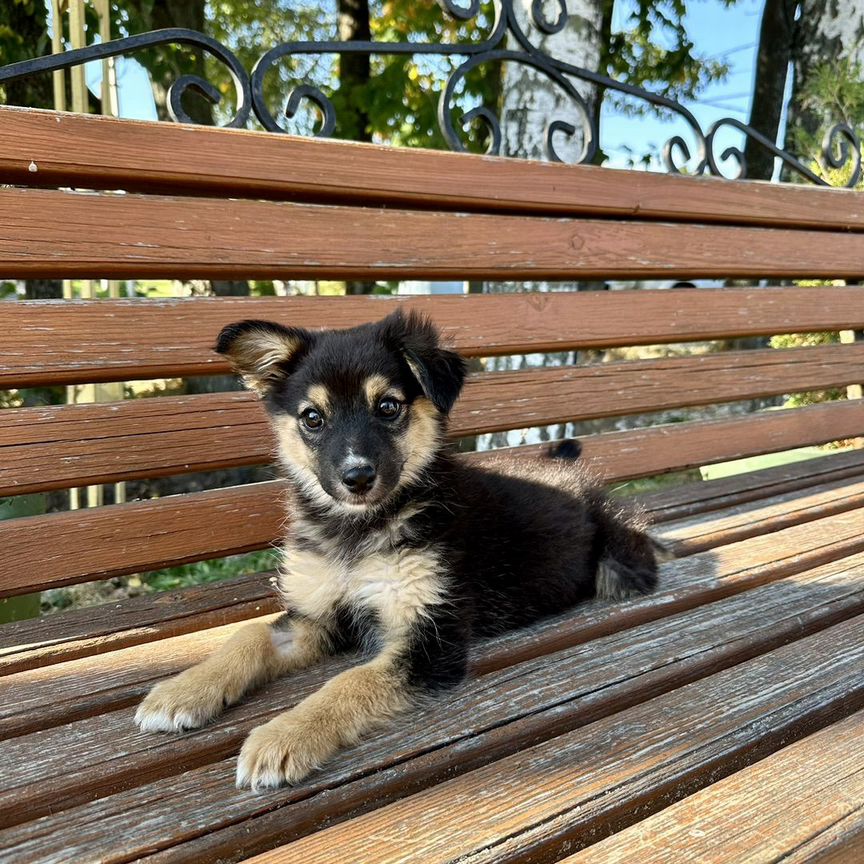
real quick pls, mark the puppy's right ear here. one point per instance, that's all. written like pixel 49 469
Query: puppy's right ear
pixel 263 353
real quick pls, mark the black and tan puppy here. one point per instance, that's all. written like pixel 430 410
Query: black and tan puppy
pixel 394 547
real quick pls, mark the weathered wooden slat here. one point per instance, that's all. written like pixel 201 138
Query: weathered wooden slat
pixel 481 722
pixel 33 643
pixel 81 341
pixel 61 694
pixel 691 499
pixel 804 803
pixel 144 535
pixel 79 633
pixel 53 696
pixel 123 154
pixel 676 446
pixel 227 521
pixel 562 794
pixel 59 233
pixel 705 531
pixel 77 445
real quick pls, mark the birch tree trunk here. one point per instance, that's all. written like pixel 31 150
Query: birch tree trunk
pixel 827 31
pixel 530 101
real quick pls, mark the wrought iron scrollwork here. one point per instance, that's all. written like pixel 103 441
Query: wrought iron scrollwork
pixel 507 41
pixel 155 38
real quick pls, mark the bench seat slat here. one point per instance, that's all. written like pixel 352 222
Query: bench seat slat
pixel 84 632
pixel 690 499
pixel 119 539
pixel 102 153
pixel 543 697
pixel 63 234
pixel 95 685
pixel 804 803
pixel 707 530
pixel 49 342
pixel 64 446
pixel 565 792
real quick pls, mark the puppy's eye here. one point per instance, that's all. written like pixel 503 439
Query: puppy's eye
pixel 312 419
pixel 389 408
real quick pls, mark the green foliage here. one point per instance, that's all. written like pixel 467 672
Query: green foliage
pixel 834 92
pixel 204 572
pixel 806 340
pixel 656 52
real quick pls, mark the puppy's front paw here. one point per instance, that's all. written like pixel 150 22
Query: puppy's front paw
pixel 188 701
pixel 285 750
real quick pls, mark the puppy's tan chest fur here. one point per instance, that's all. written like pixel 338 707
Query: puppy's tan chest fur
pixel 396 584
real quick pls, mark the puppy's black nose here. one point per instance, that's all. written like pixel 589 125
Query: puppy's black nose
pixel 359 479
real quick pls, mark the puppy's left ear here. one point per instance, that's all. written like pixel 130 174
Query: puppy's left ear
pixel 263 353
pixel 440 373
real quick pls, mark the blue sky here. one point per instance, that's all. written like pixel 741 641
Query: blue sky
pixel 728 34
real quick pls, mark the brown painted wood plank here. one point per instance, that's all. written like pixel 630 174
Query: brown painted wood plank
pixel 72 150
pixel 659 449
pixel 144 535
pixel 705 531
pixel 691 499
pixel 564 793
pixel 54 696
pixel 30 644
pixel 84 632
pixel 59 233
pixel 482 721
pixel 79 633
pixel 61 694
pixel 75 445
pixel 116 540
pixel 804 803
pixel 80 341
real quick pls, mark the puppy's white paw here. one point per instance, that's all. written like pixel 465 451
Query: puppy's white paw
pixel 283 751
pixel 188 701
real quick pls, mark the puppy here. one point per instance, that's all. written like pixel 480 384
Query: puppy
pixel 394 548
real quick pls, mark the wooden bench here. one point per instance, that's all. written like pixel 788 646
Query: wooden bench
pixel 746 665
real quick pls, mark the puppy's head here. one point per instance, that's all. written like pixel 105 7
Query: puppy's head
pixel 358 413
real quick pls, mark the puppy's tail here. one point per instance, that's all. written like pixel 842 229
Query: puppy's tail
pixel 569 448
pixel 627 556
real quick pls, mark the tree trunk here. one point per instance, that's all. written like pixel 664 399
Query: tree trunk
pixel 23 36
pixel 155 15
pixel 827 32
pixel 354 73
pixel 775 52
pixel 530 101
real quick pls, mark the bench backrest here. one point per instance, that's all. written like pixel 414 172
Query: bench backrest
pixel 209 203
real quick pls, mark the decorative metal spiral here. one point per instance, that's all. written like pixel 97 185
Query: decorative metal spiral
pixel 131 44
pixel 507 42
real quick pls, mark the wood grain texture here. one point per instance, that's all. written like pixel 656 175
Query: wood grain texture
pixel 676 446
pixel 97 152
pixel 53 696
pixel 76 445
pixel 55 233
pixel 705 531
pixel 564 793
pixel 128 538
pixel 691 499
pixel 30 644
pixel 119 539
pixel 804 803
pixel 81 341
pixel 38 642
pixel 133 621
pixel 480 722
